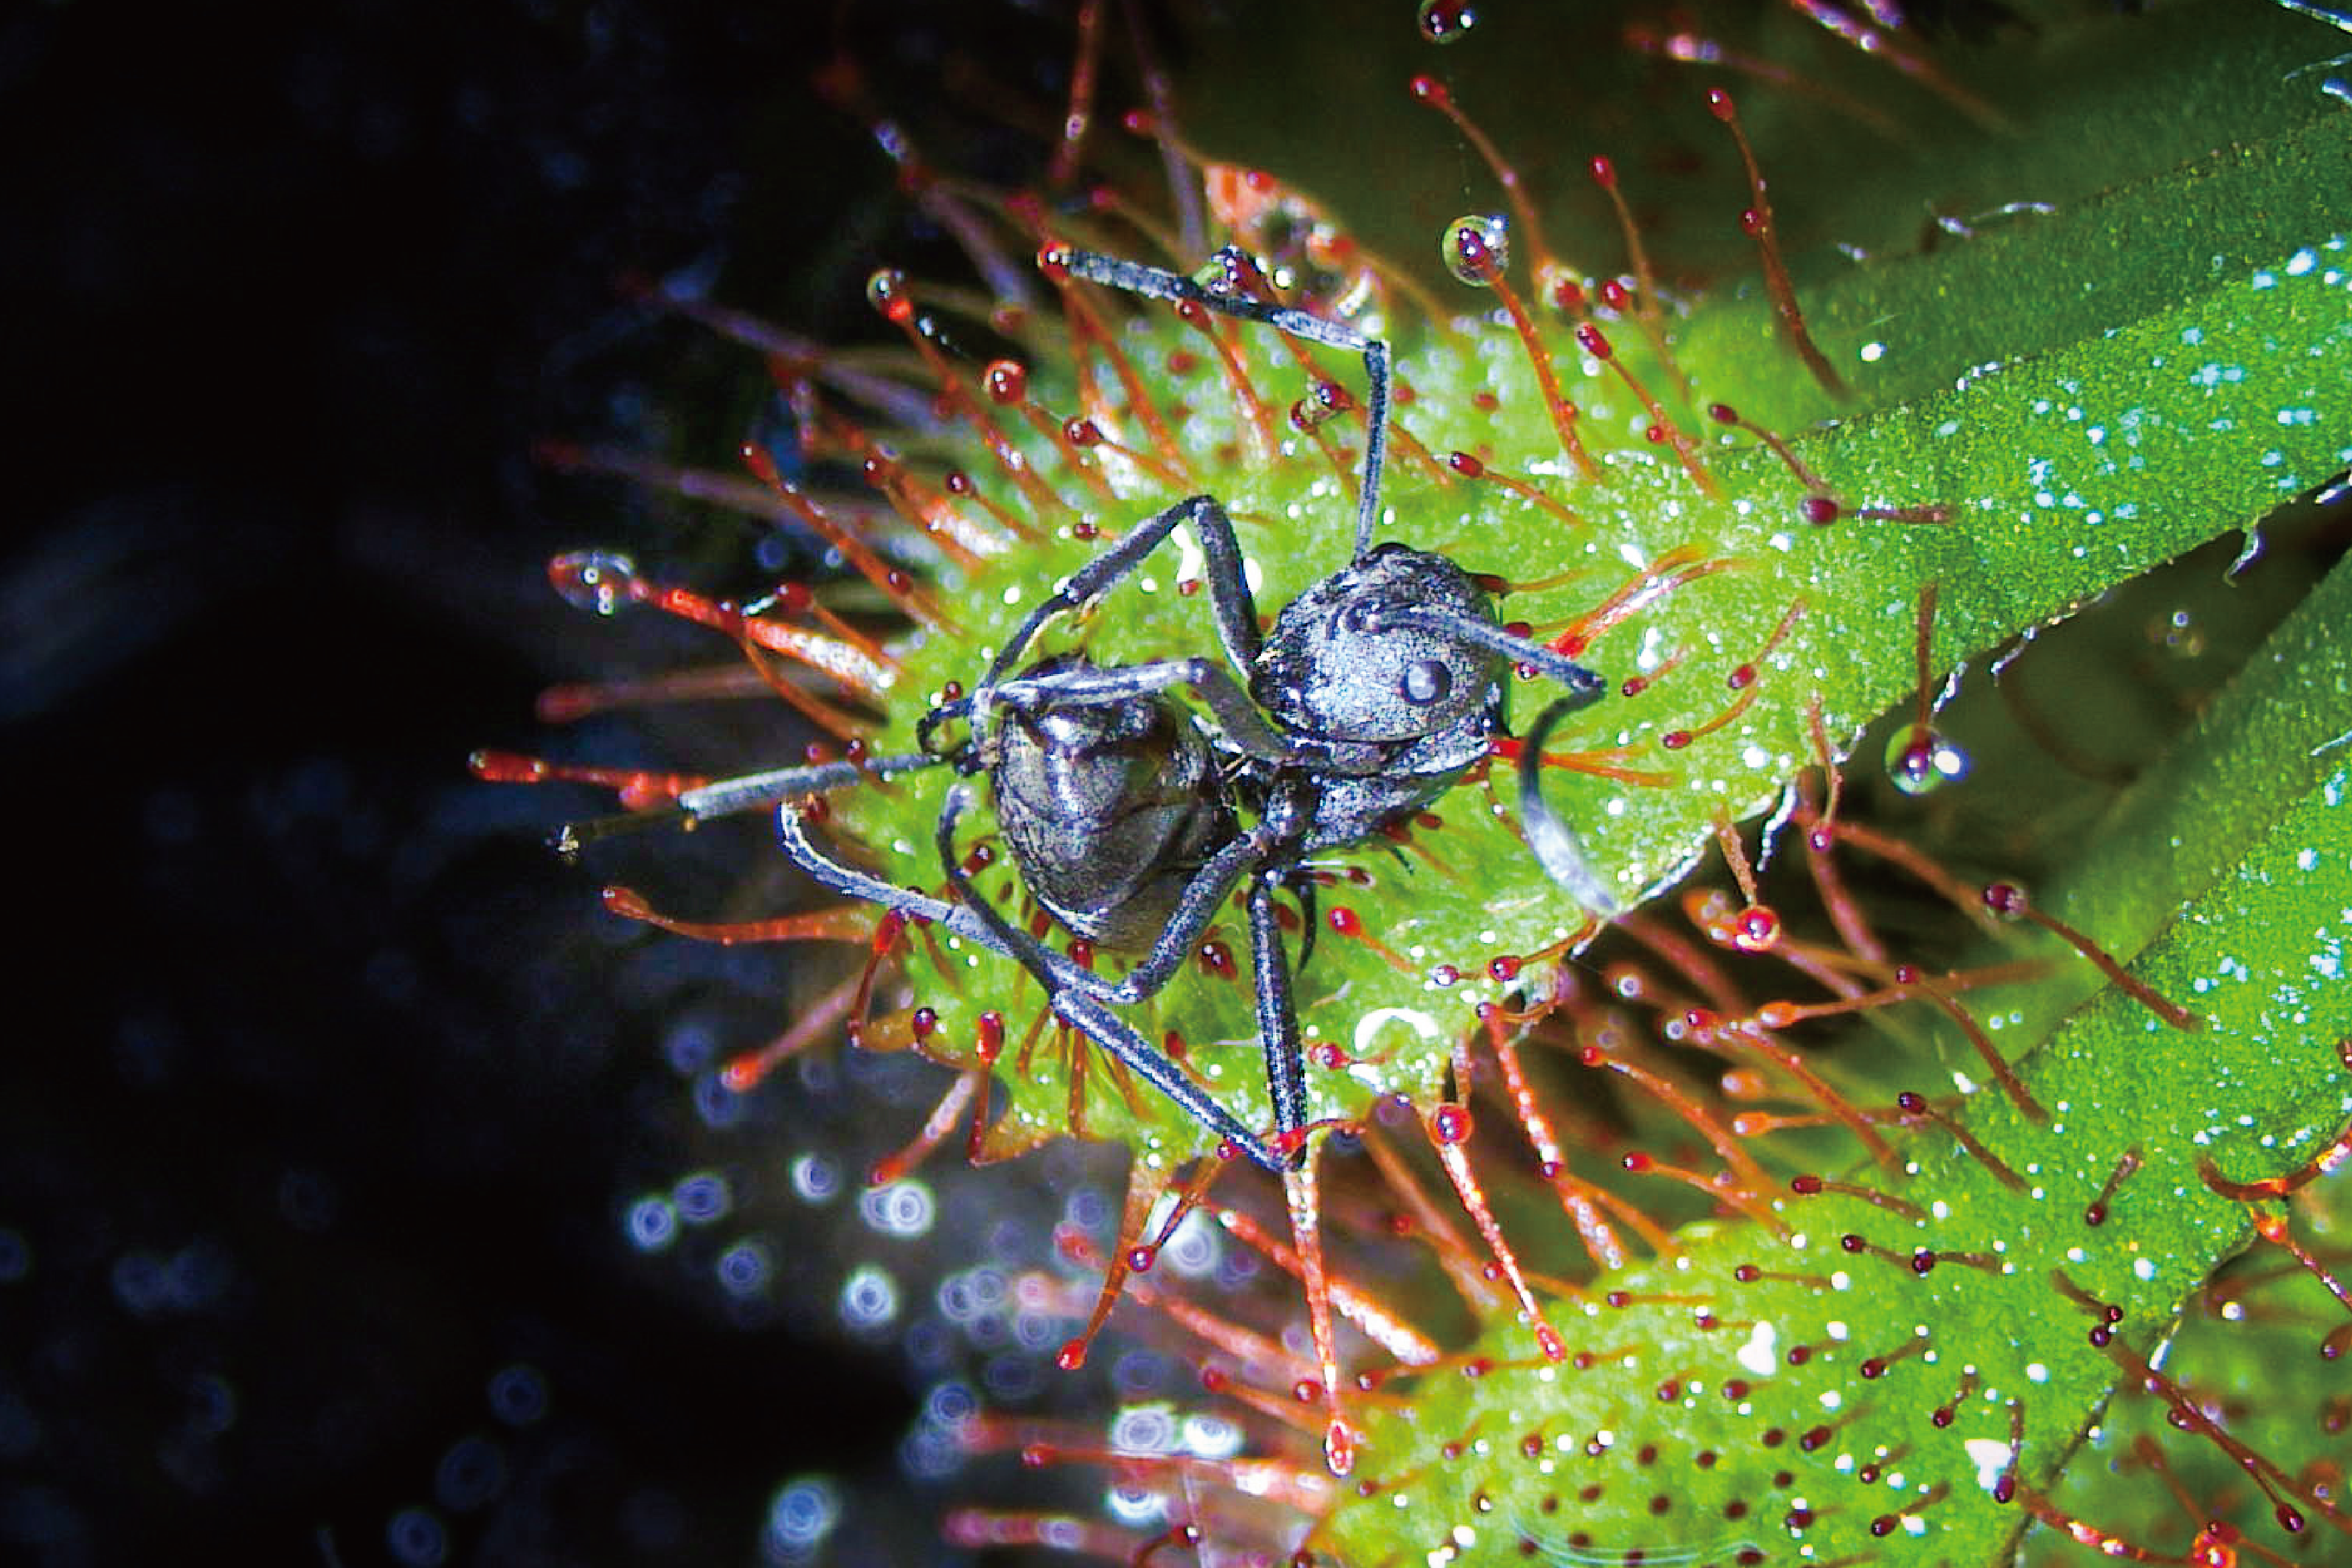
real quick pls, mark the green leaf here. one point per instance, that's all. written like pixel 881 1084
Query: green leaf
pixel 1989 1331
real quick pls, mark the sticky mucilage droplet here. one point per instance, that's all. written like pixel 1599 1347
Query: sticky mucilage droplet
pixel 1920 760
pixel 1476 248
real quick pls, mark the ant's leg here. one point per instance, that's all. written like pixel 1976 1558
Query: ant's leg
pixel 1084 583
pixel 1554 846
pixel 928 725
pixel 976 920
pixel 1195 906
pixel 1158 283
pixel 1204 895
pixel 1083 1001
pixel 1277 1013
pixel 1279 829
pixel 1072 1002
pixel 1302 888
pixel 791 833
pixel 1056 972
pixel 1093 1018
pixel 1237 717
pixel 1236 613
pixel 1230 604
pixel 1107 687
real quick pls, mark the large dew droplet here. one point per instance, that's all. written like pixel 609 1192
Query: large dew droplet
pixel 1445 21
pixel 597 581
pixel 1921 761
pixel 1476 248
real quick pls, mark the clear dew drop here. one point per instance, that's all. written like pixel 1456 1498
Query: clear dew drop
pixel 1476 248
pixel 1920 760
pixel 596 581
pixel 1445 21
pixel 2178 633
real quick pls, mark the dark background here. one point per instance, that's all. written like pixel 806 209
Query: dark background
pixel 330 1096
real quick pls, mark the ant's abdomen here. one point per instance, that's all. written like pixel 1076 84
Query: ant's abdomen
pixel 1108 811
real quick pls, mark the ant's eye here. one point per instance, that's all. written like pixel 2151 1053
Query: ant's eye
pixel 1427 680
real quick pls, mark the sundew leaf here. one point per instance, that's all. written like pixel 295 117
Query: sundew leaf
pixel 1873 1384
pixel 2060 474
pixel 2264 173
pixel 2285 719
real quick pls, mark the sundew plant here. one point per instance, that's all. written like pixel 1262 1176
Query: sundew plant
pixel 1904 1139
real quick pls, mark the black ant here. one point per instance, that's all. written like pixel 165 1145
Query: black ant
pixel 1375 690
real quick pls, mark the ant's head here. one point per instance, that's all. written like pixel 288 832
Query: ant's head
pixel 1378 651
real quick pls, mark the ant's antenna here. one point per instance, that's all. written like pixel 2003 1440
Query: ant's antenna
pixel 1583 685
pixel 1555 846
pixel 1158 283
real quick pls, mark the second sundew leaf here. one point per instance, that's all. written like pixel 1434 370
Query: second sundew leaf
pixel 1909 326
pixel 1878 1387
pixel 2284 720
